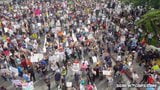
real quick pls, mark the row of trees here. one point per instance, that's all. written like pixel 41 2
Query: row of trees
pixel 150 21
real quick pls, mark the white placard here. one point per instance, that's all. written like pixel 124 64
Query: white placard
pixel 40 56
pixel 44 46
pixel 123 38
pixel 76 67
pixel 14 70
pixel 69 84
pixel 94 58
pixel 59 55
pixel 106 72
pixel 67 44
pixel 74 37
pixel 86 29
pixel 39 24
pixel 6 29
pixel 53 58
pixel 90 36
pixel 54 67
pixel 36 57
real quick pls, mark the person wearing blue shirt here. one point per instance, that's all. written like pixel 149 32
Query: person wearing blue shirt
pixel 26 77
pixel 150 88
pixel 20 71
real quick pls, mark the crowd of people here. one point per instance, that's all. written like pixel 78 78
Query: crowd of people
pixel 92 40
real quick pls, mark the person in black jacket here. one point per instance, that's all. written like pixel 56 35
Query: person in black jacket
pixel 77 78
pixel 57 77
pixel 32 74
pixel 3 88
pixel 144 79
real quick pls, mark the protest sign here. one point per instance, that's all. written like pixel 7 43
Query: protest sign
pixel 54 58
pixel 36 57
pixel 74 37
pixel 94 58
pixel 107 72
pixel 69 84
pixel 51 58
pixel 90 36
pixel 6 29
pixel 76 67
pixel 44 46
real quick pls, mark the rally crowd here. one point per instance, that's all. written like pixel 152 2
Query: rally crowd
pixel 82 36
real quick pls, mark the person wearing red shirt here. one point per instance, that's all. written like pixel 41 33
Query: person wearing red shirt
pixel 150 79
pixel 89 86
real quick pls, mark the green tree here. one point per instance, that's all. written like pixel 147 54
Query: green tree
pixel 148 3
pixel 150 22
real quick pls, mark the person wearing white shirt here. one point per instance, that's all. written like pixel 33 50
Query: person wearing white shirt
pixel 134 77
pixel 119 58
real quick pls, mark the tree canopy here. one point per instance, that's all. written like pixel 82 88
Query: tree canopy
pixel 151 21
pixel 148 3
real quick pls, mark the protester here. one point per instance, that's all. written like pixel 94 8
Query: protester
pixel 48 82
pixel 81 37
pixel 57 77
